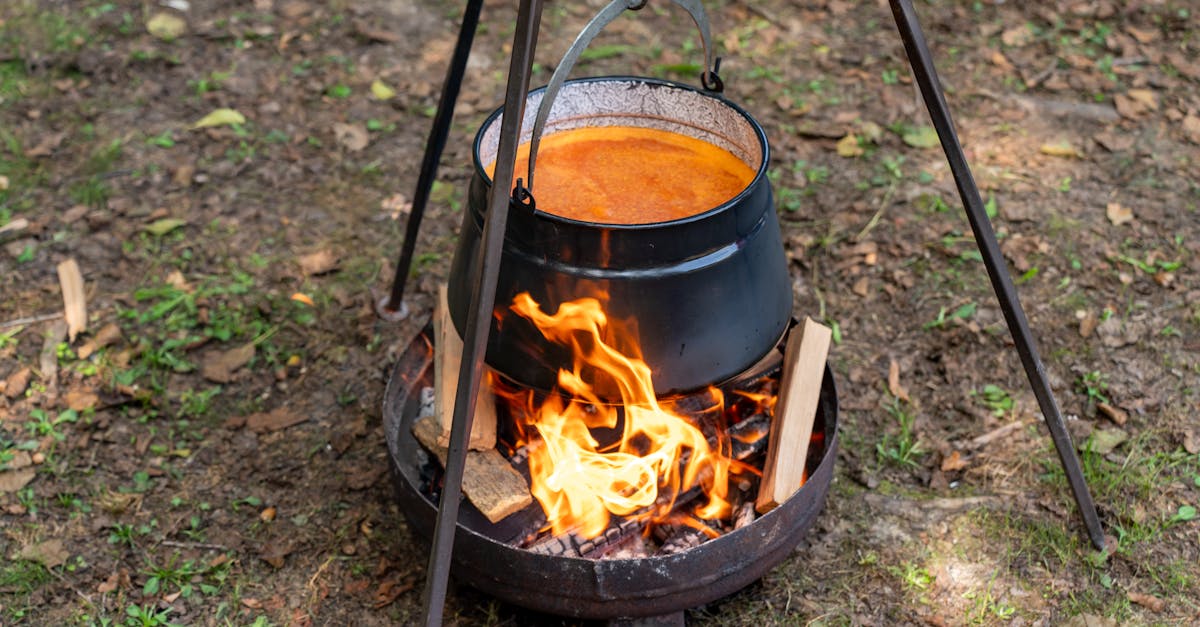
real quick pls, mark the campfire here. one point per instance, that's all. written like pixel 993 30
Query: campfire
pixel 600 467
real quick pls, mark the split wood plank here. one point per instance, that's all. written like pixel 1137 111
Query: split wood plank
pixel 74 300
pixel 489 482
pixel 446 364
pixel 800 389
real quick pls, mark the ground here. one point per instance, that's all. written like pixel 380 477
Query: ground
pixel 208 450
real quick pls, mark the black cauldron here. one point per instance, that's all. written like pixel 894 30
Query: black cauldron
pixel 708 295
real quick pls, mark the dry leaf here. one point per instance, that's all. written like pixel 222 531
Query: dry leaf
pixel 861 286
pixel 47 146
pixel 953 462
pixel 848 146
pixel 1060 149
pixel 894 382
pixel 19 224
pixel 280 418
pixel 274 553
pixel 922 137
pixel 119 579
pixel 161 227
pixel 1191 128
pixel 81 400
pixel 108 335
pixel 219 367
pixel 319 262
pixel 16 382
pixel 166 26
pixel 220 117
pixel 353 136
pixel 1150 602
pixel 1136 102
pixel 396 205
pixel 74 300
pixel 301 297
pixel 1118 214
pixel 14 480
pixel 50 553
pixel 1017 36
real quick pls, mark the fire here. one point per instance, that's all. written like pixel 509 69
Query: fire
pixel 581 482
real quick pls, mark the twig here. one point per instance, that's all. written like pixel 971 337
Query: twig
pixel 883 204
pixel 194 545
pixel 31 320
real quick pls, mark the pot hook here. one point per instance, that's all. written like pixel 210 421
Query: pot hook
pixel 708 77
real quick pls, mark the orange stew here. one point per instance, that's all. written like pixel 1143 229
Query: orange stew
pixel 630 175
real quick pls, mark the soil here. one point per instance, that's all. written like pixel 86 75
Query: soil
pixel 208 449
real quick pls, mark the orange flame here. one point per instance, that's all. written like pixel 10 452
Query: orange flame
pixel 580 482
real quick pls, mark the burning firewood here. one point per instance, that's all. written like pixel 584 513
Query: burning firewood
pixel 791 430
pixel 446 364
pixel 489 482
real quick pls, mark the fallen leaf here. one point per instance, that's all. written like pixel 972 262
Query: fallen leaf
pixel 301 297
pixel 1191 128
pixel 1017 36
pixel 274 553
pixel 953 462
pixel 74 300
pixel 20 459
pixel 50 553
pixel 1150 602
pixel 381 91
pixel 921 137
pixel 119 579
pixel 3 182
pixel 1191 441
pixel 220 117
pixel 364 478
pixel 1088 324
pixel 1136 102
pixel 14 480
pixel 894 382
pixel 19 224
pixel 319 262
pixel 396 205
pixel 861 286
pixel 81 400
pixel 46 146
pixel 166 26
pixel 1143 36
pixel 1001 61
pixel 390 590
pixel 848 146
pixel 871 131
pixel 219 367
pixel 280 418
pixel 1104 441
pixel 161 227
pixel 1118 214
pixel 1060 149
pixel 16 382
pixel 353 136
pixel 108 335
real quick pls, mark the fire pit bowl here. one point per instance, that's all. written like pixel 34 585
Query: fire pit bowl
pixel 687 284
pixel 605 589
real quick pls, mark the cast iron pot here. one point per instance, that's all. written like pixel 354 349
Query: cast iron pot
pixel 708 295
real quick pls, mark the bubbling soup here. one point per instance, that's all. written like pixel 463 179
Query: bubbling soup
pixel 630 175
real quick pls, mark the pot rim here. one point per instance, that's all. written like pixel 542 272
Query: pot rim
pixel 759 175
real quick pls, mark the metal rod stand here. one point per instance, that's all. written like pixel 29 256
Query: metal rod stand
pixel 479 314
pixel 392 307
pixel 921 62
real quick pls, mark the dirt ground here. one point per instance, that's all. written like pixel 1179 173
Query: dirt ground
pixel 208 451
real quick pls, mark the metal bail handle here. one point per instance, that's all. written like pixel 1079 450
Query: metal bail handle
pixel 708 78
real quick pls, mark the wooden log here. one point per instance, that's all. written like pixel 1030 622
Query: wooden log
pixel 447 362
pixel 796 410
pixel 489 482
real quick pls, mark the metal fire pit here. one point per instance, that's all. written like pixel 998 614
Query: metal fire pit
pixel 597 589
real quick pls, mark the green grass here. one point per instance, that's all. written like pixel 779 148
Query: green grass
pixel 899 446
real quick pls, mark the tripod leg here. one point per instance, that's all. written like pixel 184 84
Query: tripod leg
pixel 479 314
pixel 393 307
pixel 926 76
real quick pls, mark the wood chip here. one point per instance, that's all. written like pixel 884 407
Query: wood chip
pixel 1115 414
pixel 489 482
pixel 48 359
pixel 280 418
pixel 800 389
pixel 74 300
pixel 219 367
pixel 446 366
